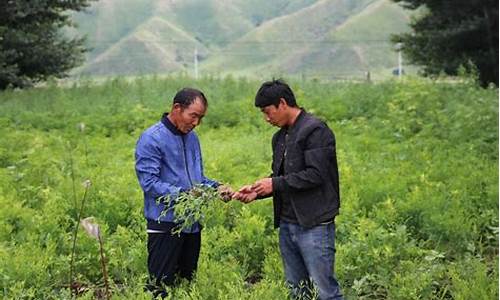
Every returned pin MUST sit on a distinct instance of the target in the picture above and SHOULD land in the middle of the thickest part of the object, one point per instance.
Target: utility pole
(400, 59)
(196, 63)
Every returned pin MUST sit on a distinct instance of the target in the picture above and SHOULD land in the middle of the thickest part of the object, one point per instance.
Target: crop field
(418, 163)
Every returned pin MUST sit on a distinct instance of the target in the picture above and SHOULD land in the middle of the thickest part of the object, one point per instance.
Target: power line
(309, 42)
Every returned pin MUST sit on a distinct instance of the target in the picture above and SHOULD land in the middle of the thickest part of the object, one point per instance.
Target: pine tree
(32, 44)
(453, 33)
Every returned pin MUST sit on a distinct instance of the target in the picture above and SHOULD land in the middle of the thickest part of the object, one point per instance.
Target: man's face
(275, 115)
(189, 117)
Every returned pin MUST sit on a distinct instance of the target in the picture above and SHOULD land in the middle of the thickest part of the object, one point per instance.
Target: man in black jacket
(305, 190)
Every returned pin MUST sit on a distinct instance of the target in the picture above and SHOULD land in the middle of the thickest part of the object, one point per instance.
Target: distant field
(419, 188)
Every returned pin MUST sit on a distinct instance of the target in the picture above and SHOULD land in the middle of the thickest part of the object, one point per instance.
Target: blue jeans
(308, 257)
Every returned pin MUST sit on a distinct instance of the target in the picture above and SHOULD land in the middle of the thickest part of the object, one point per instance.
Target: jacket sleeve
(147, 167)
(318, 153)
(209, 182)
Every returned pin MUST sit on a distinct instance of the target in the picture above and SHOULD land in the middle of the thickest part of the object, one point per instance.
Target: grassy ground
(419, 186)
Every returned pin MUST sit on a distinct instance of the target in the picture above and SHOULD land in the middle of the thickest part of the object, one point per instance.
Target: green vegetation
(190, 207)
(418, 163)
(324, 39)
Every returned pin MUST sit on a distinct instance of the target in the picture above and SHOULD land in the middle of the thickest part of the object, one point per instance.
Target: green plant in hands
(190, 207)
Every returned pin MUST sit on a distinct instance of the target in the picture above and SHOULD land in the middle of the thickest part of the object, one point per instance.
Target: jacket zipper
(185, 161)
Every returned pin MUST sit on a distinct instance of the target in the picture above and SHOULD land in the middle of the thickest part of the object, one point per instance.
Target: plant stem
(75, 233)
(72, 172)
(103, 265)
(86, 149)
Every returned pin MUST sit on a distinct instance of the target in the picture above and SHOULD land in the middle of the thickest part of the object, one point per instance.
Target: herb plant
(190, 207)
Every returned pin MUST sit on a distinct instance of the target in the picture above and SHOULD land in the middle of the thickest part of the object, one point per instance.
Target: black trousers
(171, 256)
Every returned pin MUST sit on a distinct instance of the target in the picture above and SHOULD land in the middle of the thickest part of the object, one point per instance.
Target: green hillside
(320, 38)
(280, 44)
(156, 46)
(362, 42)
(259, 11)
(211, 22)
(106, 22)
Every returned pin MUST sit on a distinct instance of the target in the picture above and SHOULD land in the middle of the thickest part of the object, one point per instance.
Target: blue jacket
(167, 162)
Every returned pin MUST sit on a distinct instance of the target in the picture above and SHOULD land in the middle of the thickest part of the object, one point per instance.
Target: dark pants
(170, 257)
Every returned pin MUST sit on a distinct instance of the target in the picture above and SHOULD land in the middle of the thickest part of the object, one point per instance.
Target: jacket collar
(299, 118)
(170, 126)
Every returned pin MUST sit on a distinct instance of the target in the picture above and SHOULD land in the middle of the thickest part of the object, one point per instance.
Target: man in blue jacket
(168, 162)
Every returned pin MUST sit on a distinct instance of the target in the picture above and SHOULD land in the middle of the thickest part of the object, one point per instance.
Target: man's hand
(245, 194)
(263, 187)
(225, 192)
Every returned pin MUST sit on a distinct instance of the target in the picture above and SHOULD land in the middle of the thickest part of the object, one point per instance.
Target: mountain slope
(322, 38)
(106, 22)
(154, 47)
(359, 45)
(283, 38)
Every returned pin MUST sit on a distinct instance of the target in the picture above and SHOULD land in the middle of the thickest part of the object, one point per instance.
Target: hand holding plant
(245, 194)
(225, 192)
(190, 207)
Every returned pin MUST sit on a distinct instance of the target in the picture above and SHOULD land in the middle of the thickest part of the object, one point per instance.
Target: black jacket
(311, 178)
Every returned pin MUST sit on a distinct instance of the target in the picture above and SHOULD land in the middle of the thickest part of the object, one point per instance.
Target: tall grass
(419, 186)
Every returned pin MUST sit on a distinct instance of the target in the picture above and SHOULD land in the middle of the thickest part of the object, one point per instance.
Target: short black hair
(270, 93)
(187, 96)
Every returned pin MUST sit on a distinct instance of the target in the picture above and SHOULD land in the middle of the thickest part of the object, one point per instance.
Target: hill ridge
(232, 36)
